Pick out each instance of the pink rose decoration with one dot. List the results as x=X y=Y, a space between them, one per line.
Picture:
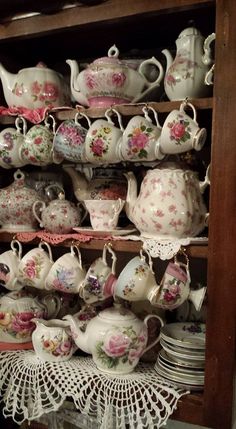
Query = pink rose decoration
x=116 y=345
x=177 y=131
x=22 y=322
x=118 y=79
x=50 y=90
x=35 y=88
x=97 y=147
x=30 y=271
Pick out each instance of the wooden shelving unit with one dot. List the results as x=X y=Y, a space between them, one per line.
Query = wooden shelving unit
x=213 y=407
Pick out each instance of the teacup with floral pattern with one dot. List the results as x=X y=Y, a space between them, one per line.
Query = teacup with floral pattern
x=101 y=142
x=140 y=138
x=11 y=140
x=67 y=272
x=9 y=262
x=34 y=266
x=181 y=133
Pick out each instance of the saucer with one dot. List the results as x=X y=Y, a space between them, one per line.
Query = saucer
x=96 y=233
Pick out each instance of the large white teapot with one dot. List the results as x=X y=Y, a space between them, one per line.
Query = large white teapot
x=188 y=74
x=116 y=338
x=109 y=81
x=170 y=203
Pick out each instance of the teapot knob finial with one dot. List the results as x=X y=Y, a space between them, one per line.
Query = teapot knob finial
x=113 y=52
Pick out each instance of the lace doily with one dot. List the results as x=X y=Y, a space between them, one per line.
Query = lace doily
x=50 y=238
x=163 y=248
x=30 y=387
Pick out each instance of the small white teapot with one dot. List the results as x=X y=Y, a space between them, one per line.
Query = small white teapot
x=116 y=338
x=109 y=81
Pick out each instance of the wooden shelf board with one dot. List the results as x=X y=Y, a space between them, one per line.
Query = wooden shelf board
x=190 y=409
x=81 y=15
x=129 y=246
x=123 y=109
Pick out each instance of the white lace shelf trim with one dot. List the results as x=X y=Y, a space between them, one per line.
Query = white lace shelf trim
x=30 y=388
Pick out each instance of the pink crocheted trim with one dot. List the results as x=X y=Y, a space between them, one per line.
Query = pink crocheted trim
x=50 y=238
x=33 y=115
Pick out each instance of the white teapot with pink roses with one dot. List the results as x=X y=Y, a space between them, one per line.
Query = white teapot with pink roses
x=116 y=338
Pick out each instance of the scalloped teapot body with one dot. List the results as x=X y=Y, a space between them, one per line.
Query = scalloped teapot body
x=16 y=202
x=169 y=205
x=34 y=87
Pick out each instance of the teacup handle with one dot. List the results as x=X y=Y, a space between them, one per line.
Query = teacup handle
x=34 y=208
x=42 y=244
x=116 y=209
x=108 y=248
x=185 y=104
x=17 y=251
x=108 y=112
x=145 y=110
x=80 y=115
x=142 y=257
x=21 y=125
x=159 y=336
x=76 y=252
x=50 y=123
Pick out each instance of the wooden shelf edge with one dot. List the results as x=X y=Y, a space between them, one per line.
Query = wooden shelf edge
x=80 y=15
x=129 y=246
x=124 y=109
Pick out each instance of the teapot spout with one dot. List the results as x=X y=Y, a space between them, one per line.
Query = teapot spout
x=80 y=338
x=79 y=182
x=131 y=197
x=169 y=58
x=8 y=81
x=77 y=94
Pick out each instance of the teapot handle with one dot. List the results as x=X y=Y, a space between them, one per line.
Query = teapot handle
x=159 y=336
x=34 y=208
x=206 y=58
x=150 y=85
x=52 y=303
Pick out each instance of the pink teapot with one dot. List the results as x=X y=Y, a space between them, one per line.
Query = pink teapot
x=170 y=203
x=109 y=81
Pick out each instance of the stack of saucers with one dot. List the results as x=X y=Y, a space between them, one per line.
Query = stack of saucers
x=182 y=358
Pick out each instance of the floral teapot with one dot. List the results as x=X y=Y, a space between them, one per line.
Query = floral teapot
x=34 y=87
x=170 y=203
x=16 y=202
x=60 y=216
x=18 y=308
x=100 y=187
x=109 y=81
x=116 y=338
x=188 y=74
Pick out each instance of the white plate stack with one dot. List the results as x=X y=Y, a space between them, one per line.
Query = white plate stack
x=182 y=358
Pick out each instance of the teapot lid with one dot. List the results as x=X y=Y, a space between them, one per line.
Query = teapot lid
x=117 y=312
x=112 y=57
x=190 y=31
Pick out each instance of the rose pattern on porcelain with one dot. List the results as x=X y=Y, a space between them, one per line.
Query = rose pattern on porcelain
x=16 y=202
x=60 y=216
x=34 y=87
x=185 y=75
x=170 y=203
x=17 y=309
x=52 y=340
x=116 y=338
x=109 y=81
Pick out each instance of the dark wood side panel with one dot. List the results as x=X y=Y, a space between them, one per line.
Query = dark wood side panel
x=222 y=232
